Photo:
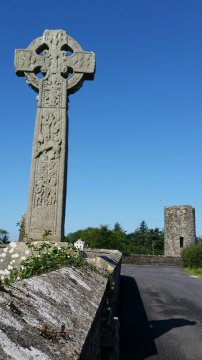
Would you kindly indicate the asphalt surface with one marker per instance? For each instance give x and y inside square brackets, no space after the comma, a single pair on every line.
[160,312]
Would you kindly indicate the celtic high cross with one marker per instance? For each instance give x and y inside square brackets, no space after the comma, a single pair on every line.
[63,74]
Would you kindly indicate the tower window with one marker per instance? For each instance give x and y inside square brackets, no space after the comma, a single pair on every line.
[181,241]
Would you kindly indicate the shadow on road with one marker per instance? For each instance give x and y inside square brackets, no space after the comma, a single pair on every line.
[160,327]
[137,334]
[136,341]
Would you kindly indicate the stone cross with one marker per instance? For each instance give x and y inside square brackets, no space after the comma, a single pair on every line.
[55,66]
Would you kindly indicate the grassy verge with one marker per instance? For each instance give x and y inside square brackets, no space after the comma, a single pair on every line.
[197,272]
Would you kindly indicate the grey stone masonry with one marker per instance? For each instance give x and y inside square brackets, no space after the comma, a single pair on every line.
[63,75]
[142,259]
[66,314]
[179,229]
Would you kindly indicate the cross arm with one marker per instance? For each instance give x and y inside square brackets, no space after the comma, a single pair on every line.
[27,61]
[82,62]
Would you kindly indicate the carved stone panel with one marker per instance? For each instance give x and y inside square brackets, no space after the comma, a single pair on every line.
[48,172]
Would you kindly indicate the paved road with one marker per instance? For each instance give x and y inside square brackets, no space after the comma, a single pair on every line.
[160,312]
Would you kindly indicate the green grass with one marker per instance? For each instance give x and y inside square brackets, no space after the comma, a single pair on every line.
[197,272]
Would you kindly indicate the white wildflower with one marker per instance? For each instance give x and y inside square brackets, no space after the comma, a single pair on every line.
[11,251]
[3,255]
[13,245]
[2,277]
[23,258]
[27,252]
[6,272]
[15,255]
[10,267]
[1,260]
[5,249]
[13,261]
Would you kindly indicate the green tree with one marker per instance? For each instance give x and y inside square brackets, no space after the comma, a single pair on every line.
[156,241]
[143,228]
[199,239]
[122,242]
[4,237]
[118,227]
[101,237]
[146,241]
[142,241]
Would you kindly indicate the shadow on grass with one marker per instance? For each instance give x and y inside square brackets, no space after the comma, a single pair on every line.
[137,334]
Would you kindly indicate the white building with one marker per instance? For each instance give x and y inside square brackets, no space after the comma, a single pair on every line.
[79,244]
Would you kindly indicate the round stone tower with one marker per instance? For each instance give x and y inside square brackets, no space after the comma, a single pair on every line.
[179,229]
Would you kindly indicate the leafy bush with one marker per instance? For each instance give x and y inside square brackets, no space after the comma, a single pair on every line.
[45,256]
[191,256]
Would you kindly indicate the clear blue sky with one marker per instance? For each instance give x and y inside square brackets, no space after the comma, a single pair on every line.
[135,139]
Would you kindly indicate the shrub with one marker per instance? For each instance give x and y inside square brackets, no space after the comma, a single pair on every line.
[45,256]
[191,256]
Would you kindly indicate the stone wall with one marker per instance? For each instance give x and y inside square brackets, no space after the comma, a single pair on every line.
[179,229]
[65,314]
[103,339]
[139,259]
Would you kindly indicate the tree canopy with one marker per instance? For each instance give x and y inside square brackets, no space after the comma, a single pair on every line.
[142,241]
[4,237]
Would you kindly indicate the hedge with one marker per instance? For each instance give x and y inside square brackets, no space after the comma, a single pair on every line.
[191,256]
